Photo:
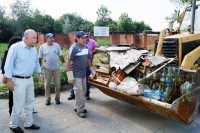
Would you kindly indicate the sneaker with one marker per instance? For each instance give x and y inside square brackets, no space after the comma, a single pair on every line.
[57,101]
[81,114]
[87,97]
[48,102]
[84,110]
[71,97]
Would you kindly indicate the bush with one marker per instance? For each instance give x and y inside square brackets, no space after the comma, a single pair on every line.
[103,42]
[39,88]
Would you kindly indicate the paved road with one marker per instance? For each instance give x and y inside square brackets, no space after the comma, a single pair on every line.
[105,115]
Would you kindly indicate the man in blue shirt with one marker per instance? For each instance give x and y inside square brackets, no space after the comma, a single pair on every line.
[22,60]
[79,57]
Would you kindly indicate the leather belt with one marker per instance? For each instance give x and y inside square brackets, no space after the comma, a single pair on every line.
[21,77]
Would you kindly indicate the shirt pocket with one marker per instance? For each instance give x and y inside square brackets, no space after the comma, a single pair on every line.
[21,58]
[55,52]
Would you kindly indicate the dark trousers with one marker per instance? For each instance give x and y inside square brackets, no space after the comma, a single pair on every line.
[10,102]
[88,85]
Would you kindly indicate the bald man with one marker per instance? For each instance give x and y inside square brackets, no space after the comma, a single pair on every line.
[22,60]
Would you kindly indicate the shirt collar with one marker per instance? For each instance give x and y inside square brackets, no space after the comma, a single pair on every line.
[24,45]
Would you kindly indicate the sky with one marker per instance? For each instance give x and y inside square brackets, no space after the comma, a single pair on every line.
[152,12]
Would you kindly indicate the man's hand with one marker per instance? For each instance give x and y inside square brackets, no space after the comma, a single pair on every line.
[64,66]
[40,79]
[93,72]
[4,80]
[70,77]
[10,84]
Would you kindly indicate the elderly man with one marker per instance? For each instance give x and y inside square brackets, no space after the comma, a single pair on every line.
[21,62]
[50,52]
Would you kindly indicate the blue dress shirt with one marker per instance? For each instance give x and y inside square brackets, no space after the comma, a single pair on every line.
[22,61]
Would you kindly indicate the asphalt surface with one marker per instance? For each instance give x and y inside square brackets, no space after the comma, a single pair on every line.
[105,115]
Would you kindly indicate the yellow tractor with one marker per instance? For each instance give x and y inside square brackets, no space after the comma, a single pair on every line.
[184,43]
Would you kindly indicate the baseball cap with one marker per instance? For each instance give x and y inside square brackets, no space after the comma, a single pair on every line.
[49,35]
[80,34]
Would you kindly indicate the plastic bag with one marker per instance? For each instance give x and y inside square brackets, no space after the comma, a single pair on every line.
[137,89]
[112,85]
[126,84]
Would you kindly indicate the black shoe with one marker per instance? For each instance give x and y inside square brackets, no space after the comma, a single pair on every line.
[48,102]
[71,97]
[57,101]
[84,110]
[17,130]
[33,126]
[87,97]
[34,111]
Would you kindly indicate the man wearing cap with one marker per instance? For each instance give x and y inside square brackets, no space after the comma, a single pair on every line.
[92,45]
[79,57]
[50,52]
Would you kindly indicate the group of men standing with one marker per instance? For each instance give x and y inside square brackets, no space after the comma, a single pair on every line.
[23,60]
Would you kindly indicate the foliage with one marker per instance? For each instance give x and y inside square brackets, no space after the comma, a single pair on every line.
[103,42]
[113,27]
[20,8]
[24,17]
[73,22]
[2,12]
[21,13]
[140,27]
[125,23]
[3,48]
[180,3]
[3,88]
[103,16]
[58,26]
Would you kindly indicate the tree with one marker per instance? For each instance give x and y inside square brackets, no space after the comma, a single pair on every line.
[125,23]
[21,13]
[2,12]
[5,26]
[73,22]
[180,2]
[20,8]
[113,27]
[103,16]
[43,23]
[58,26]
[170,19]
[140,27]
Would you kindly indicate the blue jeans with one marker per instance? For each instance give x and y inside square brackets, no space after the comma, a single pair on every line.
[88,85]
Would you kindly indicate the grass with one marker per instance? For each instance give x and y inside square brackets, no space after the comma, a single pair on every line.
[3,88]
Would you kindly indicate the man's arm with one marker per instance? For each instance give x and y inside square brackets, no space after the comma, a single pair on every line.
[89,63]
[62,59]
[70,76]
[40,61]
[63,62]
[9,66]
[94,51]
[68,65]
